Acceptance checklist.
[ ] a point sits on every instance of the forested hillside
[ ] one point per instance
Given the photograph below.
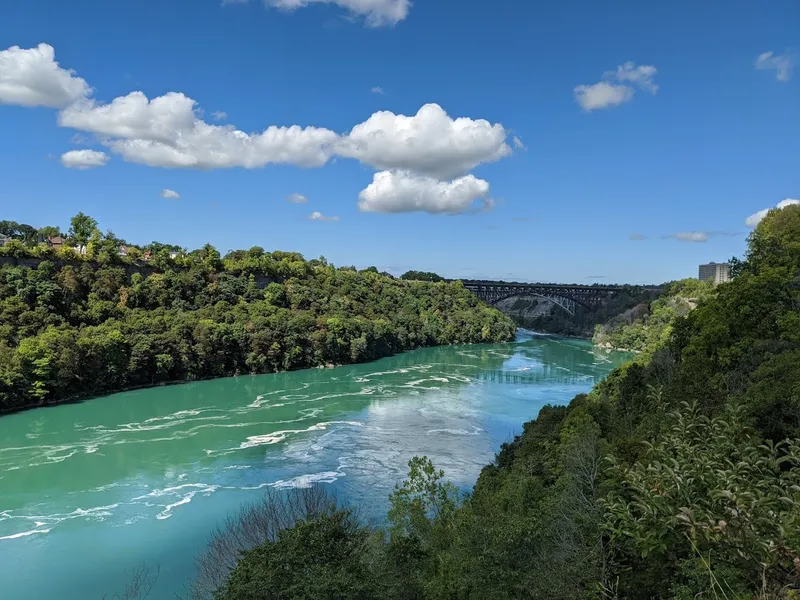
(676, 478)
(649, 325)
(78, 326)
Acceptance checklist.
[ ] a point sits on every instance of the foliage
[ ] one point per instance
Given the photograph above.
(285, 569)
(649, 327)
(421, 276)
(709, 487)
(77, 328)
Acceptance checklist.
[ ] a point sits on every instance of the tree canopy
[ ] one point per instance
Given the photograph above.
(77, 325)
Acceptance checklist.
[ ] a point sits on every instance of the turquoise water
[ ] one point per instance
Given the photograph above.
(90, 491)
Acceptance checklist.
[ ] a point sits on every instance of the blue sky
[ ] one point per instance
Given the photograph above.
(587, 122)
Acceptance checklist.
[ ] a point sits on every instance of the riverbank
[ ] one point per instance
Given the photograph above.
(147, 474)
(79, 399)
(85, 332)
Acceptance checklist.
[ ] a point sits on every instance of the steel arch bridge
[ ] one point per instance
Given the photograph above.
(568, 297)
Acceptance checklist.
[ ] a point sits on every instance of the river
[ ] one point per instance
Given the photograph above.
(90, 491)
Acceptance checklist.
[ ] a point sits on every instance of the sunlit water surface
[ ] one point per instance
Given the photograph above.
(90, 491)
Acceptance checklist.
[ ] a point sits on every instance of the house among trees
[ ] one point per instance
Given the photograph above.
(56, 242)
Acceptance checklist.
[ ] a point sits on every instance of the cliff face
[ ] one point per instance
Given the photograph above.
(522, 308)
(544, 316)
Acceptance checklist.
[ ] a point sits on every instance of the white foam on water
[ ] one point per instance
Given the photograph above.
(475, 431)
(185, 493)
(307, 481)
(24, 534)
(265, 440)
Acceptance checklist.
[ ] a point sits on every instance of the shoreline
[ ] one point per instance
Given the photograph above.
(80, 399)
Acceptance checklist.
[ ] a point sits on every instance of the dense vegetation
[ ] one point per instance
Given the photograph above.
(649, 325)
(582, 324)
(77, 325)
(676, 478)
(421, 276)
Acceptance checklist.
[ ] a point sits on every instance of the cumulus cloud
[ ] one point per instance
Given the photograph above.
(403, 191)
(166, 132)
(32, 77)
(297, 198)
(219, 115)
(606, 94)
(781, 64)
(377, 90)
(424, 156)
(170, 194)
(376, 13)
(429, 143)
(757, 217)
(318, 216)
(84, 159)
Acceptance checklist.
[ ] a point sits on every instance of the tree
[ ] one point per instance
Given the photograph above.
(421, 276)
(421, 502)
(81, 229)
(49, 231)
(711, 491)
(320, 558)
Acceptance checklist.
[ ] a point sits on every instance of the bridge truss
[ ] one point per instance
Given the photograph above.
(568, 297)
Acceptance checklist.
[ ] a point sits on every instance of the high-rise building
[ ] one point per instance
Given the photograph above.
(715, 272)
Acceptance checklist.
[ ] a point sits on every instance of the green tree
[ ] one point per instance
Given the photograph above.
(319, 559)
(81, 229)
(49, 231)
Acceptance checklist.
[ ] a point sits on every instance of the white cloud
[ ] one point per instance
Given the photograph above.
(641, 75)
(604, 94)
(782, 64)
(318, 216)
(377, 13)
(166, 132)
(402, 191)
(637, 237)
(84, 159)
(422, 152)
(32, 77)
(219, 115)
(297, 198)
(756, 218)
(430, 142)
(690, 236)
(170, 194)
(377, 90)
